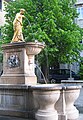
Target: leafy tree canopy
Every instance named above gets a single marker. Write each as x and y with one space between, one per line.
51 21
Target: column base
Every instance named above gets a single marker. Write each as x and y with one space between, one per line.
72 114
18 79
43 115
62 117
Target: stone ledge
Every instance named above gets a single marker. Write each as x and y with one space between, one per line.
13 118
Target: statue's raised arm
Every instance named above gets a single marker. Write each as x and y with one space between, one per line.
17 26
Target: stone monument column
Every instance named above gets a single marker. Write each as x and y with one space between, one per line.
18 62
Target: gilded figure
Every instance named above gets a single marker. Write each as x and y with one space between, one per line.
17 26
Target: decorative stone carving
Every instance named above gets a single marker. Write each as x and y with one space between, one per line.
13 61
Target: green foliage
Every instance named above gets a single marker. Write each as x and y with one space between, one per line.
51 21
81 69
1 57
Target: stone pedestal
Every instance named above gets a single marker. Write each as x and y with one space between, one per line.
18 63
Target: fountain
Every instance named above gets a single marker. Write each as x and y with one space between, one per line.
21 95
20 83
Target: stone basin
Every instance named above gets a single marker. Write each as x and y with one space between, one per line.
72 82
65 105
71 95
46 95
46 86
34 48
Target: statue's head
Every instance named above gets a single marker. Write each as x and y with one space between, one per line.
22 11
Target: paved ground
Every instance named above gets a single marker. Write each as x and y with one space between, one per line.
13 118
79 101
81 117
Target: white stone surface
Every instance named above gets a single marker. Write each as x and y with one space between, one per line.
46 96
65 104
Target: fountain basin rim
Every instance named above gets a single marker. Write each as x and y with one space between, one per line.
23 44
71 87
52 87
46 87
71 81
14 86
40 86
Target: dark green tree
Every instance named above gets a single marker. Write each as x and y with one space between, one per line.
81 69
51 21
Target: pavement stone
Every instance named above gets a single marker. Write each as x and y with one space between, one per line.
15 118
81 116
12 118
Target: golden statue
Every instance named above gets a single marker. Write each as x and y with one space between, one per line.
17 26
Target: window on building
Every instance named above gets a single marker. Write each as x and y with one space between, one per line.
0 4
0 32
80 12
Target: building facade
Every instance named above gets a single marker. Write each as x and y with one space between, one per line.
79 6
79 20
2 13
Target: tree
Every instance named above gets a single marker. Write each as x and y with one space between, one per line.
51 21
81 69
